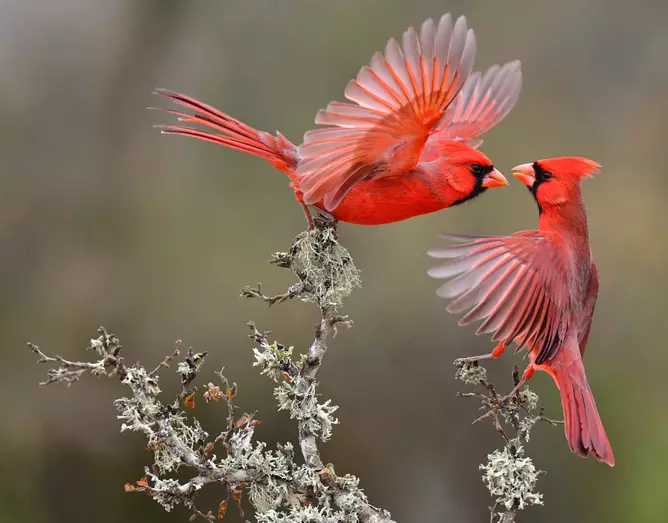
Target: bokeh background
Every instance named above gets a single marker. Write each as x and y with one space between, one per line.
104 221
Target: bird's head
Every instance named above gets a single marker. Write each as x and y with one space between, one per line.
555 181
470 172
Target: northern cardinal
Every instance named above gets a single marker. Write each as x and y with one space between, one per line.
538 289
405 147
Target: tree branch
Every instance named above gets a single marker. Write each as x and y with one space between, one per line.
509 475
279 489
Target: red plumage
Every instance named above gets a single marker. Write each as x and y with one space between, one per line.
405 146
538 289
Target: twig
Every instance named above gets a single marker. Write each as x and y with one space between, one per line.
175 442
256 292
164 364
68 372
230 393
189 370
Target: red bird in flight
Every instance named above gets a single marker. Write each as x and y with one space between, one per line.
405 146
538 289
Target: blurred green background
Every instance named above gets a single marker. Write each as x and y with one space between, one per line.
103 221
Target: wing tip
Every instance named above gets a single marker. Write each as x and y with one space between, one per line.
432 272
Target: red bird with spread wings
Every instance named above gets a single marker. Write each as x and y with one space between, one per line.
538 289
405 146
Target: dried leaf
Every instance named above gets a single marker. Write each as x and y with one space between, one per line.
222 509
143 482
231 392
213 393
129 488
243 419
190 401
236 493
193 517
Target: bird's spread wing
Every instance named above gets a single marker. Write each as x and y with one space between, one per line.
516 283
483 102
584 320
398 100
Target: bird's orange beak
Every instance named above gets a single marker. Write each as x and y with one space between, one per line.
525 174
494 179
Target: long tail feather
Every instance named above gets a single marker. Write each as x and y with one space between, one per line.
583 425
230 132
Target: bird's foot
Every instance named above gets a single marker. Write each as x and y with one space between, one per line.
526 376
498 350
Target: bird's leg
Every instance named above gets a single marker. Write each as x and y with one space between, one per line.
309 218
498 350
299 196
526 376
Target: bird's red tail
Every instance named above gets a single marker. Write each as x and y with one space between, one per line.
583 425
232 133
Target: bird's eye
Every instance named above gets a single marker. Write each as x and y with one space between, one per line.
476 168
547 175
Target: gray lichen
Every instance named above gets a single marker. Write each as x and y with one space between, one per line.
271 360
308 514
170 436
294 392
324 266
336 500
471 374
511 477
528 398
298 397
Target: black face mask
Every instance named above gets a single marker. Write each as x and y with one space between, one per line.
541 176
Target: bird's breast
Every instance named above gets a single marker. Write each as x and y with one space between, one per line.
389 199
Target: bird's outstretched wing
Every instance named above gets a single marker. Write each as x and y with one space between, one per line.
398 100
516 284
483 102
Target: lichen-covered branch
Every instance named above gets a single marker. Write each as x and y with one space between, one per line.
326 276
509 474
280 489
